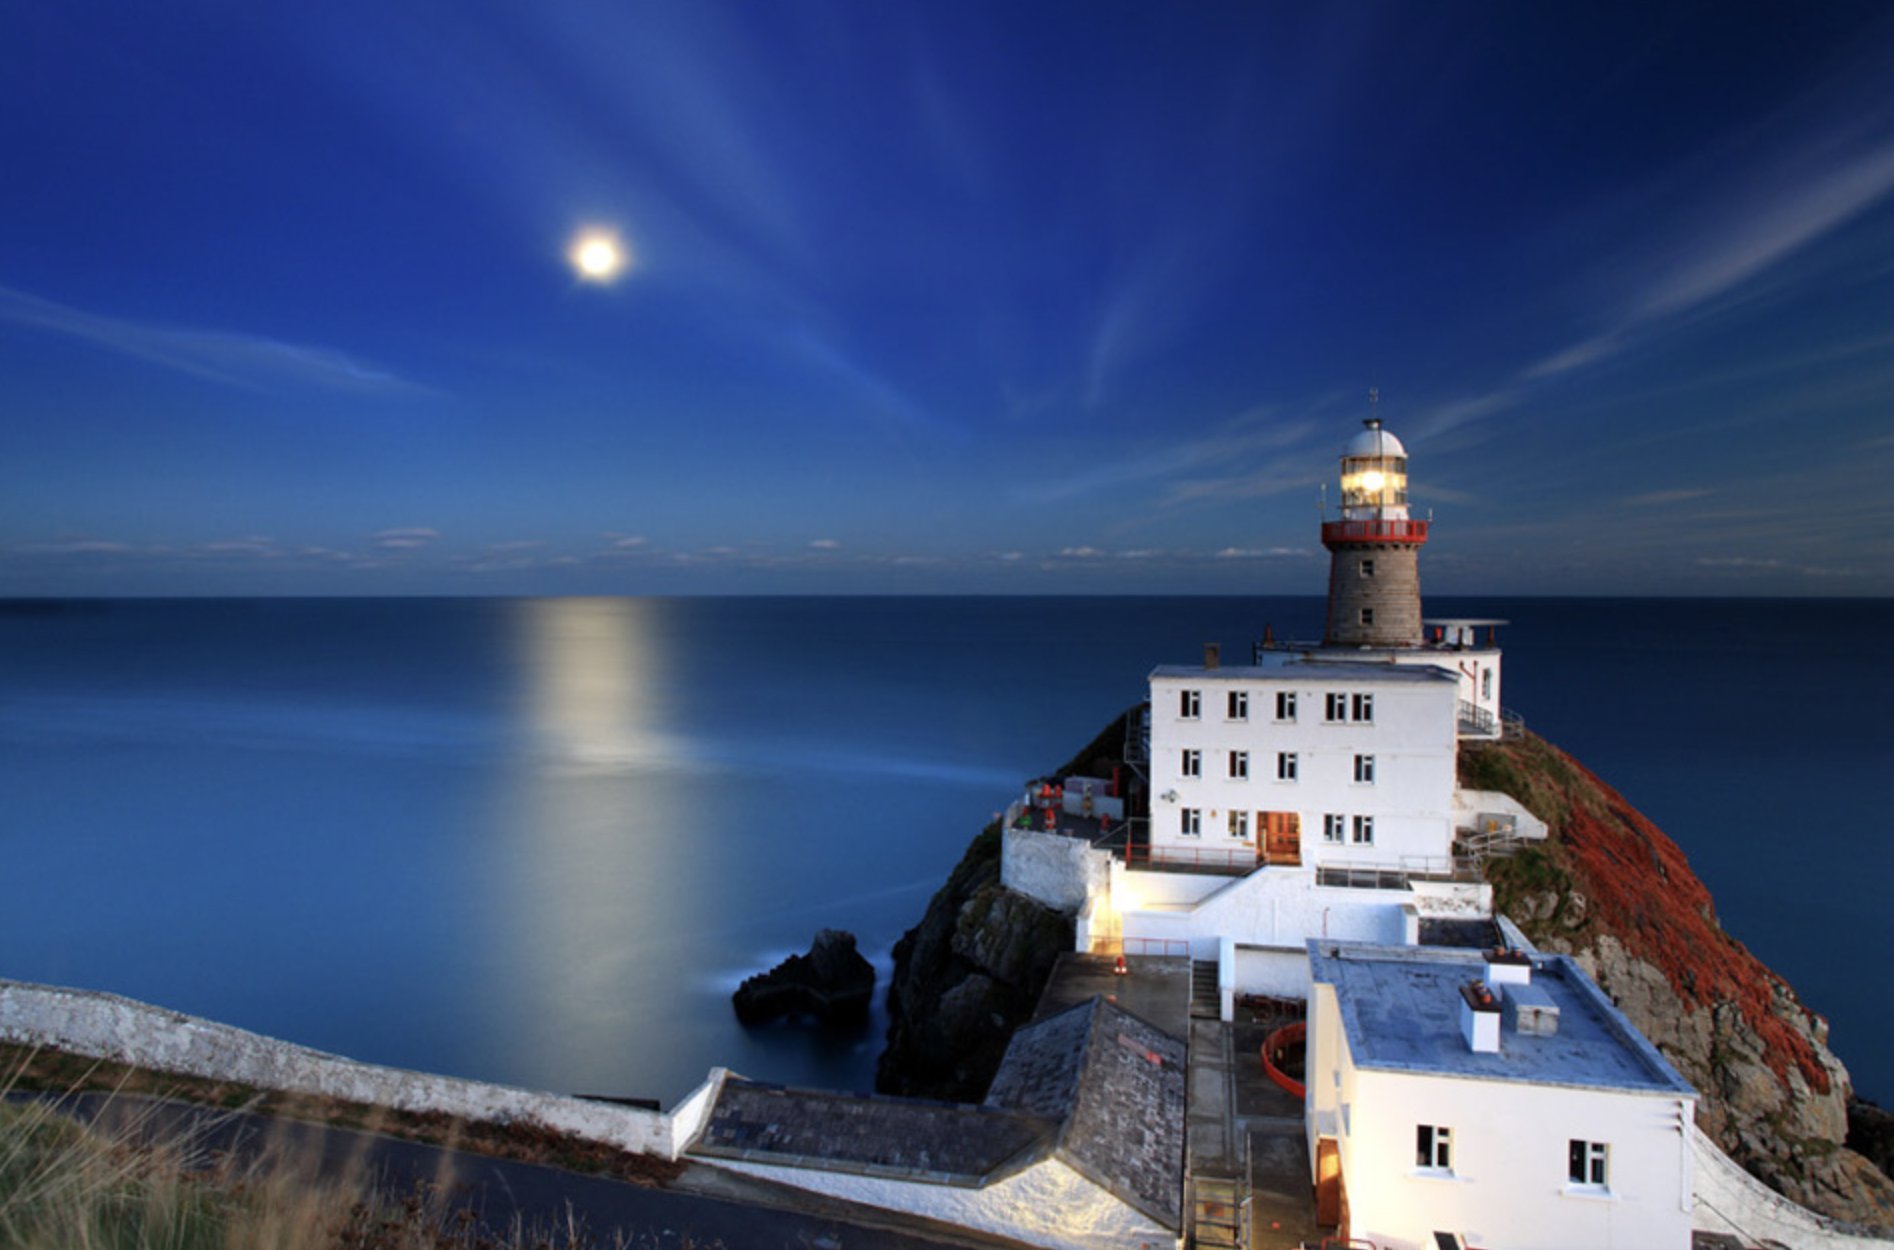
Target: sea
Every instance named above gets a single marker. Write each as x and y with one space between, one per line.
541 841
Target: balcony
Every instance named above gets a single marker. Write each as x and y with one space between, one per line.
1414 532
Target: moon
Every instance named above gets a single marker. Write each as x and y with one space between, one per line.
597 256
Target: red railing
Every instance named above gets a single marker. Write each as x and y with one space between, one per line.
1374 531
1275 1047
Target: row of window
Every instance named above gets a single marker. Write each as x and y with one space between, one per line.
1587 1162
1288 765
1336 828
1337 708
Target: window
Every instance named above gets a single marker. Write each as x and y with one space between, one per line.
1189 704
1367 568
1337 708
1433 1147
1239 765
1285 705
1486 685
1367 616
1239 705
1364 831
1333 826
1364 769
1364 707
1193 764
1588 1162
1285 766
1239 824
1189 821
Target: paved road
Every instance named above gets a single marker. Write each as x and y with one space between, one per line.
501 1192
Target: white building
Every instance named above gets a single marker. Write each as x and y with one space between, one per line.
1303 760
1311 792
1496 1098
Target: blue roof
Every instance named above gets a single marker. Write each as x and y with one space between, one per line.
1400 1008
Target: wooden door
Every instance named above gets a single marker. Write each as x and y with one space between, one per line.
1328 1183
1282 837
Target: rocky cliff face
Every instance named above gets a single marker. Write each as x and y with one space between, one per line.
1610 889
965 978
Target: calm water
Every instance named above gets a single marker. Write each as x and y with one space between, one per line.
540 841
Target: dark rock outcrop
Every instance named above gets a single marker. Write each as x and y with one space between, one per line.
1871 1133
832 983
965 978
1609 888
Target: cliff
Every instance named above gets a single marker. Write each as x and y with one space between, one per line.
1607 887
1610 889
965 978
972 971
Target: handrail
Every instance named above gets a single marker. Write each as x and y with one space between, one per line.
1233 861
1374 531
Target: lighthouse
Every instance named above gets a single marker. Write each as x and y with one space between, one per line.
1374 549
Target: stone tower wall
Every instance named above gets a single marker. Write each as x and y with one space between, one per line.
1391 591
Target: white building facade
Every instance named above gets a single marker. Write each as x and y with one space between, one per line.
1535 1119
1304 762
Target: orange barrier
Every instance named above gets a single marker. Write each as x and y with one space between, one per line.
1273 1046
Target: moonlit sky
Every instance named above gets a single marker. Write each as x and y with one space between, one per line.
968 297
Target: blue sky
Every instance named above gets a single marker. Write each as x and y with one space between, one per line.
970 297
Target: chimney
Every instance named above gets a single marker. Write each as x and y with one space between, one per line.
1479 1018
1212 655
1506 965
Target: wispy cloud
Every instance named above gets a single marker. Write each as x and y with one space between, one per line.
1237 440
1734 239
1658 498
244 360
408 538
824 544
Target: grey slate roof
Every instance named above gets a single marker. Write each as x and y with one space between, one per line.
1094 1085
905 1138
1400 1009
1117 1085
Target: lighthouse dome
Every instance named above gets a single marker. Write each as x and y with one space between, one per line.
1374 441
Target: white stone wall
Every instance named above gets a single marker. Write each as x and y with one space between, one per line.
1270 907
1412 739
1471 665
1058 871
105 1026
1730 1200
1048 1204
1470 805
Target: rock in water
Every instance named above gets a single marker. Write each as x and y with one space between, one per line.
832 982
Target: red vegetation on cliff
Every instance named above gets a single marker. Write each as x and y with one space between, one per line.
1638 887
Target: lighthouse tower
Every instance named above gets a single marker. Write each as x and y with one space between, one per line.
1374 550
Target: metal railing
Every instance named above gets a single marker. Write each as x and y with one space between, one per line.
1476 719
1230 862
1374 531
1152 946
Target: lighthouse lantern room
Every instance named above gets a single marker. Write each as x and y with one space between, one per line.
1374 566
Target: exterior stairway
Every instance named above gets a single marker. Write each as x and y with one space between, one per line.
1217 1213
1205 1002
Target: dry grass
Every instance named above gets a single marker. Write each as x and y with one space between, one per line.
132 1179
